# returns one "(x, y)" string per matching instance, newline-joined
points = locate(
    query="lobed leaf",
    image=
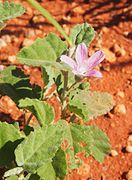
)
(39, 147)
(91, 140)
(59, 163)
(82, 33)
(89, 105)
(9, 139)
(15, 84)
(40, 109)
(10, 10)
(14, 171)
(43, 52)
(67, 137)
(46, 172)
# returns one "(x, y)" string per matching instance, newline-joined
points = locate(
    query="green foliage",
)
(67, 137)
(40, 109)
(12, 178)
(60, 164)
(14, 171)
(91, 140)
(82, 33)
(42, 150)
(15, 84)
(43, 52)
(89, 105)
(46, 172)
(9, 139)
(39, 147)
(10, 10)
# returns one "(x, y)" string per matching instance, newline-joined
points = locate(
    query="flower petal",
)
(95, 59)
(81, 53)
(94, 73)
(68, 61)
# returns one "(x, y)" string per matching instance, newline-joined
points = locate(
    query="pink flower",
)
(84, 66)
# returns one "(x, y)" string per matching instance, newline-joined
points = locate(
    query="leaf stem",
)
(50, 18)
(29, 119)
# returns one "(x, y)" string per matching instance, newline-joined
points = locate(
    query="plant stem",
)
(29, 119)
(50, 18)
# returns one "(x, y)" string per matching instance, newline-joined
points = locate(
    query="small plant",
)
(50, 149)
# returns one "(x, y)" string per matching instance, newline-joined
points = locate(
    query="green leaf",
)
(91, 140)
(40, 109)
(39, 147)
(89, 105)
(32, 177)
(59, 163)
(15, 84)
(67, 137)
(9, 139)
(10, 10)
(43, 52)
(82, 33)
(62, 79)
(14, 171)
(12, 178)
(46, 172)
(2, 25)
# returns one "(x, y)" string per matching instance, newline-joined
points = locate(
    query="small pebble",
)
(7, 38)
(38, 18)
(12, 59)
(119, 51)
(29, 11)
(121, 94)
(2, 67)
(110, 56)
(27, 42)
(110, 115)
(105, 29)
(130, 138)
(106, 67)
(30, 33)
(120, 109)
(14, 39)
(78, 10)
(2, 43)
(129, 175)
(114, 153)
(129, 149)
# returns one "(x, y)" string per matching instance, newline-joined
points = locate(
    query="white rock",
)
(129, 149)
(121, 94)
(129, 175)
(2, 67)
(12, 59)
(27, 42)
(120, 109)
(110, 56)
(30, 33)
(130, 138)
(114, 153)
(6, 38)
(2, 43)
(119, 51)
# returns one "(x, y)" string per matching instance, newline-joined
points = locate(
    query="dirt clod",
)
(120, 109)
(114, 153)
(2, 43)
(129, 149)
(110, 56)
(129, 175)
(27, 42)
